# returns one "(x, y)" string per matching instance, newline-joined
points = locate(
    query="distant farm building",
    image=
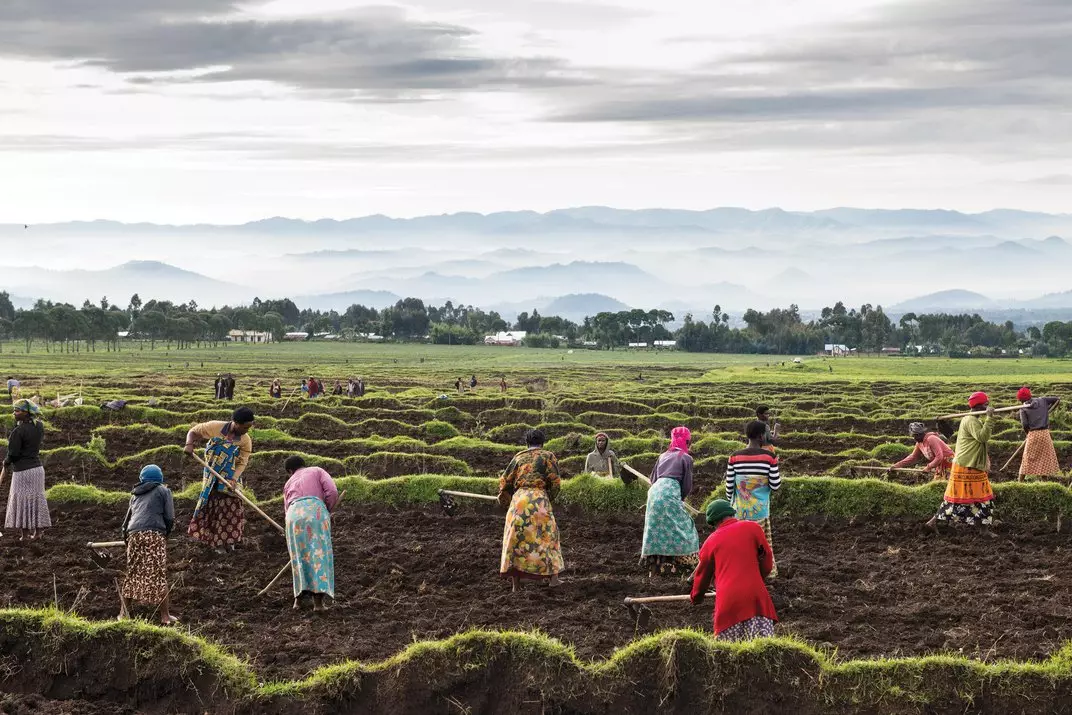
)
(249, 336)
(665, 344)
(373, 337)
(510, 337)
(296, 336)
(835, 350)
(638, 345)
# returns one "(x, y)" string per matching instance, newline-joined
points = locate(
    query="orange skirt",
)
(968, 486)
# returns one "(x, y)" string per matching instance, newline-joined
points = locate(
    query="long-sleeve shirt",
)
(1035, 414)
(933, 449)
(738, 558)
(601, 464)
(216, 428)
(310, 482)
(971, 442)
(535, 468)
(751, 476)
(24, 446)
(674, 464)
(152, 508)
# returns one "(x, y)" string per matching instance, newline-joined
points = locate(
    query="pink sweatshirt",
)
(310, 482)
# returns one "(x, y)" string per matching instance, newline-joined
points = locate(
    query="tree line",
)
(93, 326)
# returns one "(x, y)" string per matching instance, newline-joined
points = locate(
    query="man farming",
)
(602, 460)
(219, 518)
(969, 498)
(1040, 457)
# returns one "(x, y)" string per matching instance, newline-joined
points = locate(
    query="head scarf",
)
(917, 428)
(978, 398)
(718, 510)
(26, 406)
(604, 436)
(242, 415)
(1023, 394)
(152, 473)
(679, 438)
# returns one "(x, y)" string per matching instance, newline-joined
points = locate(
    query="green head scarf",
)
(718, 510)
(26, 406)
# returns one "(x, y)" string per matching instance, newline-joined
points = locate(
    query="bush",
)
(438, 430)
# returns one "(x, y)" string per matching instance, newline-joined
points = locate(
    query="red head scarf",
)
(978, 398)
(679, 438)
(1023, 394)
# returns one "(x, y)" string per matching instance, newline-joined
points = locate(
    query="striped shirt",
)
(751, 476)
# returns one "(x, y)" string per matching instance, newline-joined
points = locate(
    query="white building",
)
(835, 350)
(638, 345)
(666, 343)
(296, 336)
(510, 337)
(249, 336)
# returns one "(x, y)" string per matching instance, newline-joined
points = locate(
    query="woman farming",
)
(531, 546)
(602, 460)
(148, 522)
(670, 539)
(1040, 457)
(309, 497)
(931, 447)
(27, 508)
(737, 557)
(969, 497)
(219, 518)
(751, 476)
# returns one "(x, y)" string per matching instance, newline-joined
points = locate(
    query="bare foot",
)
(297, 604)
(515, 583)
(933, 524)
(555, 582)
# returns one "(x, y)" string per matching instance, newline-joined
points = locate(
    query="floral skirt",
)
(972, 514)
(220, 522)
(757, 627)
(531, 545)
(668, 528)
(312, 560)
(27, 507)
(1040, 457)
(146, 578)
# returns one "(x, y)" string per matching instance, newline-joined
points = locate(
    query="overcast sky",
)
(227, 111)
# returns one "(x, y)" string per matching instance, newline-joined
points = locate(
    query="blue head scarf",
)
(152, 473)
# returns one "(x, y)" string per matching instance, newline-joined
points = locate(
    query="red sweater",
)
(738, 556)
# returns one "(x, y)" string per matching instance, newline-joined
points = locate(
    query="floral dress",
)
(531, 544)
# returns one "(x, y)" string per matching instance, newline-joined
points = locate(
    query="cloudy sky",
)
(226, 111)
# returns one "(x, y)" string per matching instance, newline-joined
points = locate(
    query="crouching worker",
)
(309, 497)
(737, 557)
(149, 520)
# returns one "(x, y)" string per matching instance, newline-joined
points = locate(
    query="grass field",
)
(853, 562)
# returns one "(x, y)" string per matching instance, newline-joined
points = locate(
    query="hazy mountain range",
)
(572, 261)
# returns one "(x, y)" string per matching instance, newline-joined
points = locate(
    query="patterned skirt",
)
(1040, 457)
(27, 507)
(757, 627)
(220, 522)
(312, 560)
(146, 578)
(671, 544)
(531, 545)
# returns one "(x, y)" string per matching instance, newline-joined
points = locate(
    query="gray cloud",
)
(374, 50)
(973, 72)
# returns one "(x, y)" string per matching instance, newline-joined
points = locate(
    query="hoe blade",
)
(447, 504)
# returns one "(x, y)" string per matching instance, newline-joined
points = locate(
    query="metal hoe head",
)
(101, 558)
(641, 615)
(447, 503)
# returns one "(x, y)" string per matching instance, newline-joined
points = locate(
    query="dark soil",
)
(404, 575)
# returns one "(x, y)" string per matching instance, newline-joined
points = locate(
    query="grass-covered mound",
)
(155, 670)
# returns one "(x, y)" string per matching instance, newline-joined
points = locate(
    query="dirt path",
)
(404, 575)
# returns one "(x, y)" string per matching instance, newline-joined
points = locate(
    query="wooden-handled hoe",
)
(449, 506)
(635, 475)
(638, 607)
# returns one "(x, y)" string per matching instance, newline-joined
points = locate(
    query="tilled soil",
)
(866, 589)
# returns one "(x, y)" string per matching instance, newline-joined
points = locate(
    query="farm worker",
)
(931, 447)
(276, 390)
(737, 557)
(12, 389)
(217, 387)
(969, 497)
(502, 384)
(219, 518)
(314, 388)
(531, 546)
(229, 385)
(602, 460)
(149, 520)
(751, 476)
(472, 382)
(458, 385)
(670, 543)
(337, 390)
(1040, 457)
(27, 508)
(309, 497)
(305, 386)
(770, 436)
